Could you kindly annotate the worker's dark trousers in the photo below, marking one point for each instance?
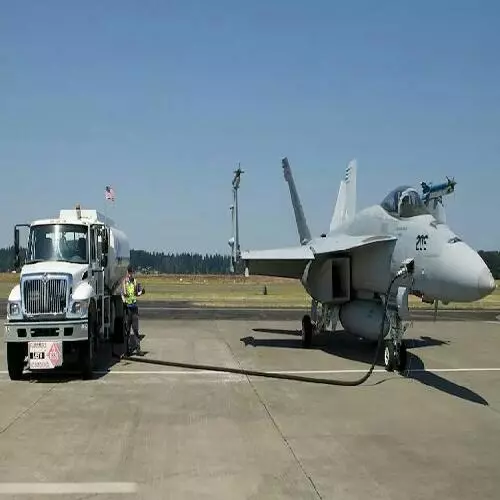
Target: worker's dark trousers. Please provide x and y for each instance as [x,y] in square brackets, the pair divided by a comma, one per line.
[132,324]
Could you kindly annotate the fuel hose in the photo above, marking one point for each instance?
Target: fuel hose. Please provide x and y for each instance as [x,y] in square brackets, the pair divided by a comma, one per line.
[298,378]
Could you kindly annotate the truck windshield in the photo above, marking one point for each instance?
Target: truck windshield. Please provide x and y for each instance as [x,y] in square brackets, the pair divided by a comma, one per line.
[58,242]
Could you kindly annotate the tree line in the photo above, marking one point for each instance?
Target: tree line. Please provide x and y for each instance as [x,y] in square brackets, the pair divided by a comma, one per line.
[196,263]
[153,262]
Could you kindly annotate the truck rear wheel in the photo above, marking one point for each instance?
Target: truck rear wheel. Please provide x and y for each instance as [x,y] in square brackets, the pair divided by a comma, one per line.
[16,352]
[118,336]
[118,327]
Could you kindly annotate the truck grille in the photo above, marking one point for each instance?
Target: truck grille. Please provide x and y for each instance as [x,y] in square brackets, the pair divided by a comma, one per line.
[45,295]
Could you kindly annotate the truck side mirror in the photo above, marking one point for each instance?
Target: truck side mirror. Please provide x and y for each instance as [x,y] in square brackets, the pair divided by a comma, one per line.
[17,260]
[17,249]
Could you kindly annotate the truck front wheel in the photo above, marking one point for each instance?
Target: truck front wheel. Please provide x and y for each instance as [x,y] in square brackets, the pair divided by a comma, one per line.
[16,352]
[87,347]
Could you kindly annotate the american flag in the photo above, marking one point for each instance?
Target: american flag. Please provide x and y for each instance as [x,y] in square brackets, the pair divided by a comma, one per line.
[109,193]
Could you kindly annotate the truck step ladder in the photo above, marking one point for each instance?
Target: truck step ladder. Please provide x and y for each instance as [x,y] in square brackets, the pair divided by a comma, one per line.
[105,330]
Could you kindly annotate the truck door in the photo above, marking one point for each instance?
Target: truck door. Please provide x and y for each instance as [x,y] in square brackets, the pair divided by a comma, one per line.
[95,257]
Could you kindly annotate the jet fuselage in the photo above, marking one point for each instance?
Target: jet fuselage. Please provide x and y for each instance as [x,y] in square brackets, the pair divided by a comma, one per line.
[446,268]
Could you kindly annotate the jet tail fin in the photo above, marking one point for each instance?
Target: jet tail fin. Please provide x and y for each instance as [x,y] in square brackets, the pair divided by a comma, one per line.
[345,207]
[300,219]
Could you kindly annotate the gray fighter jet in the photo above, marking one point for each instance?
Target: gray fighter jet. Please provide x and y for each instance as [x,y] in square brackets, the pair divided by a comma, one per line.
[361,272]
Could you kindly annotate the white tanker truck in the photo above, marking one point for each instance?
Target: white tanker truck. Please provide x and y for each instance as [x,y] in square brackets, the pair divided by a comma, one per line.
[74,265]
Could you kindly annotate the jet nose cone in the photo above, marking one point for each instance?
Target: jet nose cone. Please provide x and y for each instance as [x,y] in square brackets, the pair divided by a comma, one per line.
[485,283]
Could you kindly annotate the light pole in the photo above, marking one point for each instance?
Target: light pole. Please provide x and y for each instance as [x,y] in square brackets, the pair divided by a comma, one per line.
[234,241]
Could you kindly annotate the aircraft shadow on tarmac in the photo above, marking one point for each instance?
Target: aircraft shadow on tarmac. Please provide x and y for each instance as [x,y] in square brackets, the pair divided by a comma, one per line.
[108,356]
[350,347]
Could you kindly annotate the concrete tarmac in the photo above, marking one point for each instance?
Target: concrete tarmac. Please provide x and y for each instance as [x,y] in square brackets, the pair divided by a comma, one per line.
[154,432]
[172,310]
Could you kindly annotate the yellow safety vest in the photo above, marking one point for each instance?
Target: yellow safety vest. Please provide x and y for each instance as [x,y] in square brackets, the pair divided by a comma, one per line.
[129,291]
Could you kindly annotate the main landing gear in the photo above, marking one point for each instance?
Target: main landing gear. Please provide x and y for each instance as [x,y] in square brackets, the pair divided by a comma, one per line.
[321,316]
[395,354]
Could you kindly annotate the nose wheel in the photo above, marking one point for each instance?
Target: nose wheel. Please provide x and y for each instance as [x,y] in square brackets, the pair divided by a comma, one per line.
[395,356]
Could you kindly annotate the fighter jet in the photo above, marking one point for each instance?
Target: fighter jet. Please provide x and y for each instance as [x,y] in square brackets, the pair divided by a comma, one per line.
[361,272]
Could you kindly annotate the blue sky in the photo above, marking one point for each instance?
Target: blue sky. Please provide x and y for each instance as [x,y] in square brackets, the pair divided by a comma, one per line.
[162,99]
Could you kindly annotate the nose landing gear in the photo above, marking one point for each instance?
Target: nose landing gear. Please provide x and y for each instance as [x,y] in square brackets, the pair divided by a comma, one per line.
[395,355]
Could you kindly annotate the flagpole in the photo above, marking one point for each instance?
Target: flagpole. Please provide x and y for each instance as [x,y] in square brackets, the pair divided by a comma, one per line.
[105,206]
[108,194]
[103,269]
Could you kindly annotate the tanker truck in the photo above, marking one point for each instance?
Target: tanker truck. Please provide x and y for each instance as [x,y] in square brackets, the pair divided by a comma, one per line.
[67,302]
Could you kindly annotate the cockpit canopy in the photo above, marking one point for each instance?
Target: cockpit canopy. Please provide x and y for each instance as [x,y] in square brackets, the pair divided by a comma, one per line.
[404,201]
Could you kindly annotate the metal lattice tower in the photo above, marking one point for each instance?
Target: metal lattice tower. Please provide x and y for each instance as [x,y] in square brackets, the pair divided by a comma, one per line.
[234,241]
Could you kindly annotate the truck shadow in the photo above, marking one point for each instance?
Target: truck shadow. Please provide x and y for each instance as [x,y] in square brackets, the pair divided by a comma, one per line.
[108,356]
[346,346]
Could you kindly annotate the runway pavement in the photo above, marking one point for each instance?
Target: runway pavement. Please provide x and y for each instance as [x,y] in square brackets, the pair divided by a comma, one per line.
[152,432]
[162,310]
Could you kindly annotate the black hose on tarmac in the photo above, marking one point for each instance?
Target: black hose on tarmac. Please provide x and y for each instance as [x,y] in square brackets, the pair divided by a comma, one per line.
[284,376]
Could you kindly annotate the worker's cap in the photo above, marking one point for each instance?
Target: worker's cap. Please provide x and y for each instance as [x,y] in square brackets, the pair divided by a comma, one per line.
[130,269]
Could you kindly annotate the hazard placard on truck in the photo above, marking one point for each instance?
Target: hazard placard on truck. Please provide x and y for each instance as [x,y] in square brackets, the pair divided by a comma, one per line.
[45,355]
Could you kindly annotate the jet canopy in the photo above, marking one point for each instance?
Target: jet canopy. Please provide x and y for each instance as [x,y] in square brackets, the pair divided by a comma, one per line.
[404,201]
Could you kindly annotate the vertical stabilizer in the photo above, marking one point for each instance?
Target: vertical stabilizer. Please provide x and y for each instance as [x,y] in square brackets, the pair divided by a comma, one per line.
[338,213]
[345,207]
[302,227]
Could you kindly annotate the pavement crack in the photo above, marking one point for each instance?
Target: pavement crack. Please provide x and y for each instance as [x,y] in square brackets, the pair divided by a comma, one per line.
[494,410]
[276,426]
[285,440]
[20,415]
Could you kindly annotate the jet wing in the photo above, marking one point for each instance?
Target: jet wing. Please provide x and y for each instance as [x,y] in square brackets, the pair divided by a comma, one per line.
[289,262]
[345,242]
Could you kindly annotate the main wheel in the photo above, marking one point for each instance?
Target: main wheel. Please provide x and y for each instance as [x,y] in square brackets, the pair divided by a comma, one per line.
[307,331]
[16,352]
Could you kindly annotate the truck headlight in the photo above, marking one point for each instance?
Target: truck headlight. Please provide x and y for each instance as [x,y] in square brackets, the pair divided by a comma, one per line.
[80,307]
[13,309]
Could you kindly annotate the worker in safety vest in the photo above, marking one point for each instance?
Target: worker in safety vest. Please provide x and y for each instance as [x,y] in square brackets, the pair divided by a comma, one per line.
[130,291]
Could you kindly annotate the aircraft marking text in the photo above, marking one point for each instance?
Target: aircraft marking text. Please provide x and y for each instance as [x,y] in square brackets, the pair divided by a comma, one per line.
[421,243]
